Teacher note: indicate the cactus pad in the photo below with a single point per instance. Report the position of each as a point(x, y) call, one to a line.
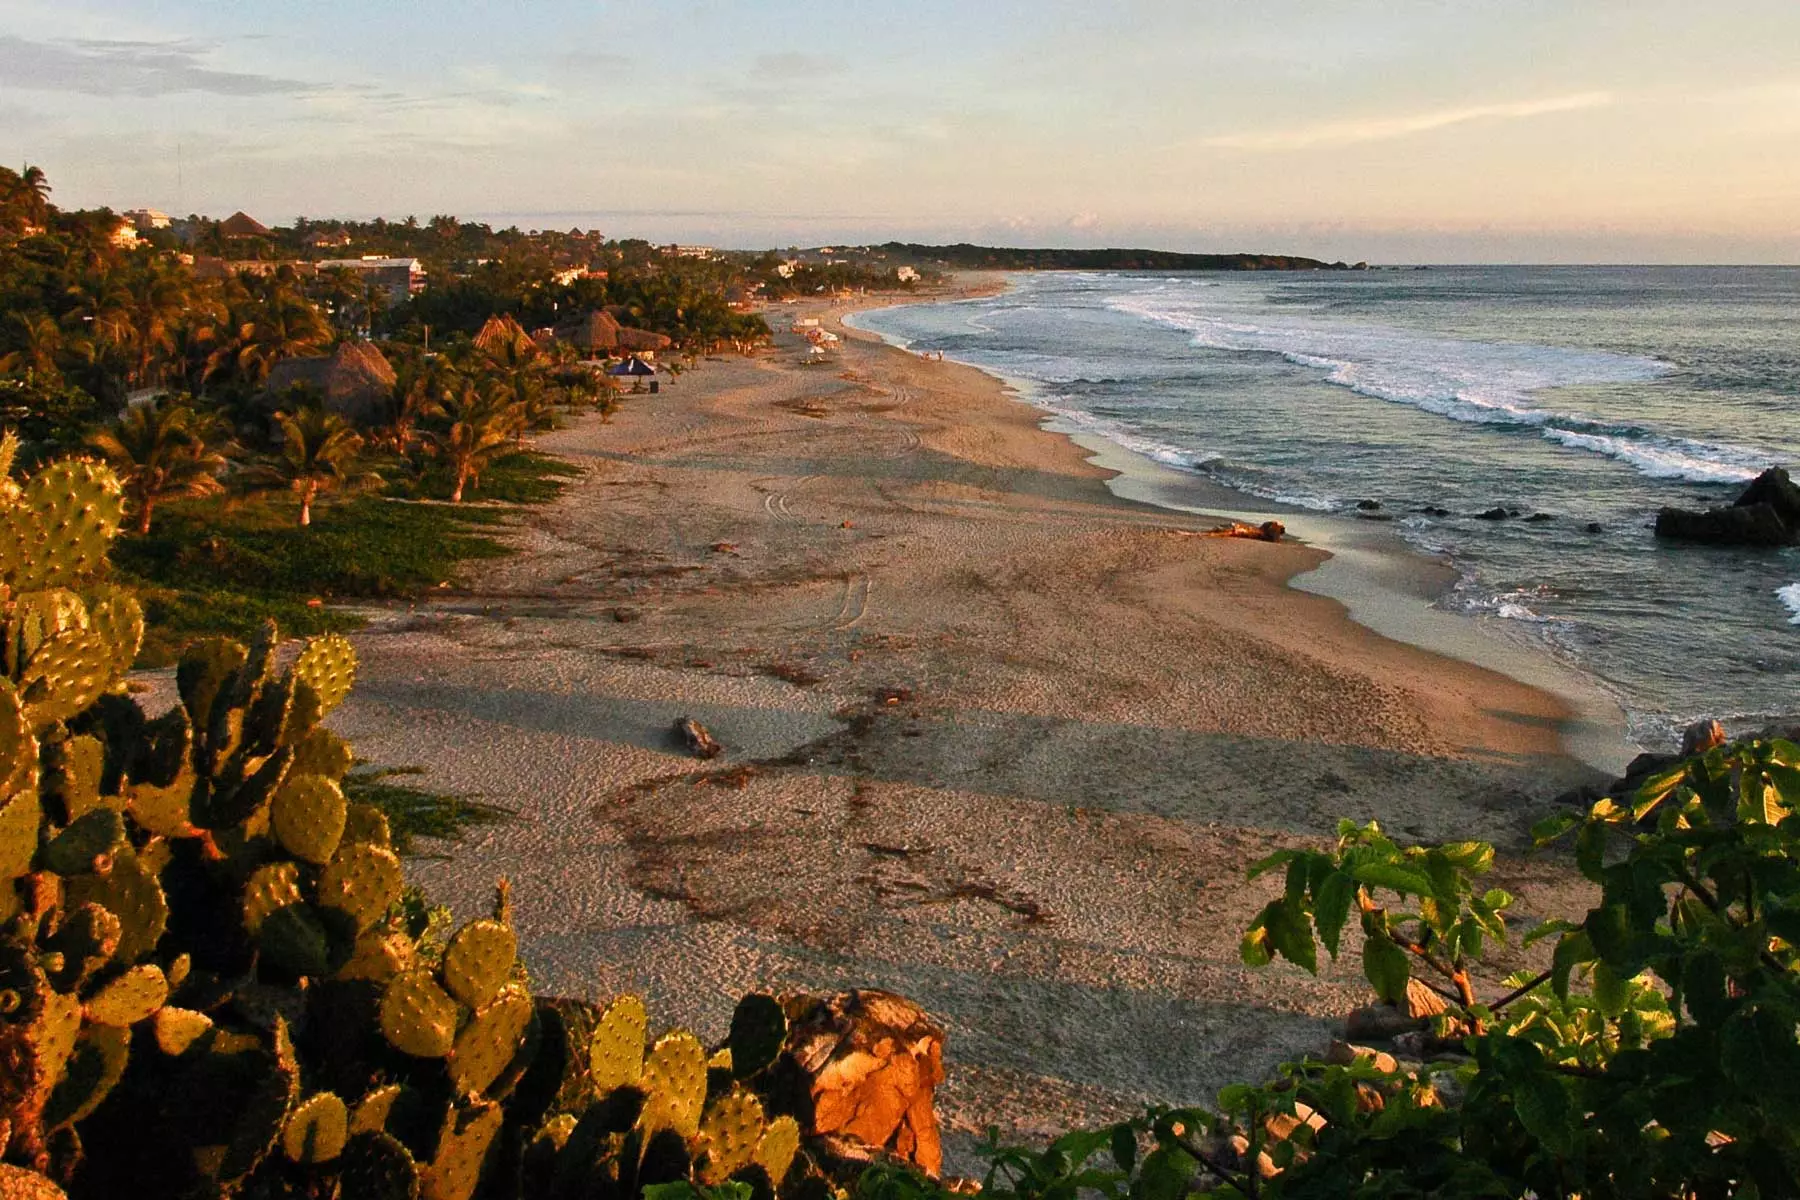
point(366, 825)
point(177, 1029)
point(489, 1042)
point(18, 748)
point(775, 1151)
point(205, 668)
point(327, 665)
point(371, 1112)
point(270, 889)
point(131, 893)
point(675, 1079)
point(322, 752)
point(375, 1166)
point(361, 880)
point(378, 957)
point(478, 961)
point(296, 940)
point(417, 1017)
point(617, 1049)
point(87, 940)
point(758, 1031)
point(58, 531)
point(118, 619)
point(71, 779)
point(66, 675)
point(308, 817)
point(316, 1130)
point(130, 998)
point(730, 1132)
point(19, 817)
point(92, 1070)
point(456, 1170)
point(163, 810)
point(87, 845)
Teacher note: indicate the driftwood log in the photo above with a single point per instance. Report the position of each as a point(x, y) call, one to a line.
point(696, 739)
point(868, 1063)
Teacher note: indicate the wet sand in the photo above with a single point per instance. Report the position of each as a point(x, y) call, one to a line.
point(996, 738)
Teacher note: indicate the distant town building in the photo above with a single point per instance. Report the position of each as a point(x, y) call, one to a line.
point(399, 277)
point(207, 267)
point(786, 269)
point(124, 234)
point(242, 225)
point(146, 219)
point(679, 251)
point(568, 275)
point(327, 239)
point(906, 274)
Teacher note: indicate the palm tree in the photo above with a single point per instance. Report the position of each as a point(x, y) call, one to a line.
point(282, 326)
point(419, 393)
point(318, 449)
point(161, 454)
point(480, 426)
point(40, 341)
point(34, 193)
point(155, 301)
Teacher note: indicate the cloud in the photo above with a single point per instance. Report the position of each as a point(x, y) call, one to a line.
point(1381, 129)
point(105, 67)
point(1084, 220)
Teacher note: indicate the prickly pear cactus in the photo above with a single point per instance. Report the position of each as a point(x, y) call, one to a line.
point(205, 948)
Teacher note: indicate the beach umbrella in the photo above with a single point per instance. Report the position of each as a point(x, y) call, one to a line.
point(633, 367)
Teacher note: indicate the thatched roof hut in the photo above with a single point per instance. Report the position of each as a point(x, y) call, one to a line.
point(590, 332)
point(242, 225)
point(640, 340)
point(355, 380)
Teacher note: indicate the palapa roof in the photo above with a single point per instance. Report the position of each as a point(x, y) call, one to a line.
point(242, 225)
point(356, 380)
point(643, 339)
point(590, 331)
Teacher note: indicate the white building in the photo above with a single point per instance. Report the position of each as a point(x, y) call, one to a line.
point(399, 277)
point(146, 219)
point(906, 274)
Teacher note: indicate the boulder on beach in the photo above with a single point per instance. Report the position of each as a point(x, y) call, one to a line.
point(1766, 514)
point(871, 1062)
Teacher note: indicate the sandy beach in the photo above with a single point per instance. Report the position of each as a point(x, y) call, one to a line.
point(996, 738)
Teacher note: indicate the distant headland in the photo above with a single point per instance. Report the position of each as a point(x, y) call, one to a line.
point(968, 257)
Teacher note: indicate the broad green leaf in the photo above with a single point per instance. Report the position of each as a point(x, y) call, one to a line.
point(1331, 908)
point(1611, 990)
point(1386, 967)
point(1277, 859)
point(1474, 857)
point(1551, 828)
point(1395, 878)
point(1590, 849)
point(1542, 1106)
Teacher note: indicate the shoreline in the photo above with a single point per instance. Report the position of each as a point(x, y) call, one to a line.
point(1384, 584)
point(997, 738)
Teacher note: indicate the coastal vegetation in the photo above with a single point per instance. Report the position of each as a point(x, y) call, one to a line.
point(213, 980)
point(276, 427)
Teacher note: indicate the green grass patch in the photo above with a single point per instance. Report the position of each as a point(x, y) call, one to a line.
point(522, 477)
point(217, 567)
point(415, 812)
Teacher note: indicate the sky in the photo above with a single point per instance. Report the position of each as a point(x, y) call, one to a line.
point(1399, 131)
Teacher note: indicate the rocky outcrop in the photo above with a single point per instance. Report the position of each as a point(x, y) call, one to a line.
point(868, 1063)
point(1766, 514)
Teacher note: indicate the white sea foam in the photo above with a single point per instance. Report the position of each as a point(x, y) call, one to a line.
point(1790, 596)
point(1484, 383)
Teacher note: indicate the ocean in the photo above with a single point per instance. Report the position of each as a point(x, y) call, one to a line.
point(1576, 400)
